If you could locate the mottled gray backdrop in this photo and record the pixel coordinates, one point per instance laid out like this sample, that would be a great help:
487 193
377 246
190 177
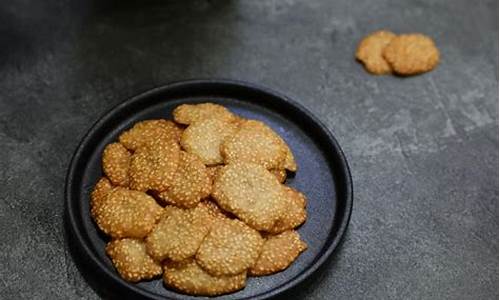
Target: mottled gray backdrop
423 150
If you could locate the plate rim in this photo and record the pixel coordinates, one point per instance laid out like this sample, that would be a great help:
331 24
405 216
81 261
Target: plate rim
69 213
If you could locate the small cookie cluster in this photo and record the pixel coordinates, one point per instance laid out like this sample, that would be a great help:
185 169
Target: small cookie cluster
383 52
200 200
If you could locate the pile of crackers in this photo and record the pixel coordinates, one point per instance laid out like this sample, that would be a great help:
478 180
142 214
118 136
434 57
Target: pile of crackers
383 52
200 199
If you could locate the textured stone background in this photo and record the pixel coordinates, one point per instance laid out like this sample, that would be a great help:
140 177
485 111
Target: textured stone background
423 150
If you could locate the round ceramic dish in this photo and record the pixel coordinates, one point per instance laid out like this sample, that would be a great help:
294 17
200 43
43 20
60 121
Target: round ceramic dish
323 176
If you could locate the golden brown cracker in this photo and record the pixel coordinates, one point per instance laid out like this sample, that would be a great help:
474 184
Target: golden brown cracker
250 192
289 163
168 210
190 184
297 197
257 143
99 194
280 174
145 132
213 209
188 277
153 167
370 50
116 163
127 213
179 234
295 213
410 54
213 170
230 248
212 174
204 138
279 251
238 121
131 260
190 113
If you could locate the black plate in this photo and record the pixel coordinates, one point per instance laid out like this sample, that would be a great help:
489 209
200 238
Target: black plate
323 176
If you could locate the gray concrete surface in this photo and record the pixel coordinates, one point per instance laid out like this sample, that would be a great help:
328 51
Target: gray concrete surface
423 150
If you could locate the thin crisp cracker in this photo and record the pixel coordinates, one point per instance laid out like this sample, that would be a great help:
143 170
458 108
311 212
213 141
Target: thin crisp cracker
295 214
153 167
190 184
145 132
116 163
279 251
250 192
257 143
99 194
370 50
290 164
280 174
131 260
204 138
410 54
230 248
188 277
127 213
190 113
179 234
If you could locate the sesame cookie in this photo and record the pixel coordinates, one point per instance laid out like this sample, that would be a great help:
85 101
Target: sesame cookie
144 132
295 213
212 174
280 174
190 184
213 170
257 143
230 248
127 213
278 252
239 120
289 162
188 277
213 209
179 234
370 49
168 210
99 194
189 113
204 138
131 260
153 166
410 54
116 163
250 192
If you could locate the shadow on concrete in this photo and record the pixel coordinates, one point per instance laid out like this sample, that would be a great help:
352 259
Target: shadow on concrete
142 44
30 29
